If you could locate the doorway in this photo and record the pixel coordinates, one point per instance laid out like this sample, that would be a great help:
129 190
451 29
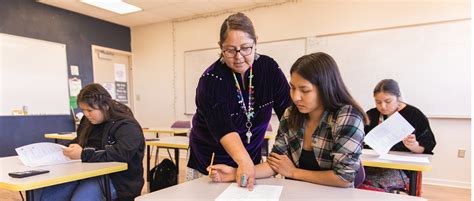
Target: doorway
112 69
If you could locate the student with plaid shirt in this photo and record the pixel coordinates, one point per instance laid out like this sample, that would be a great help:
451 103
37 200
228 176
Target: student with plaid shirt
320 135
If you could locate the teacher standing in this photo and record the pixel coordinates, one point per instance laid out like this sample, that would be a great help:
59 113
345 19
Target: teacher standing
234 99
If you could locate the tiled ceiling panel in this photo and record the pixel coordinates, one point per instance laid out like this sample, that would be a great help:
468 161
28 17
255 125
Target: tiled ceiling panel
158 10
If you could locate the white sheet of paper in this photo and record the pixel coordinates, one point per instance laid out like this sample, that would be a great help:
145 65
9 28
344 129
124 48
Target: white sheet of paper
416 159
43 153
259 193
110 87
74 70
75 86
388 133
120 72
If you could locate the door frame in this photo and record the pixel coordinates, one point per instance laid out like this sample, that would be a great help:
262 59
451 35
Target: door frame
130 69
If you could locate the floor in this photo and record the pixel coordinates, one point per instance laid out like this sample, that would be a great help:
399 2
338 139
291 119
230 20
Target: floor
430 192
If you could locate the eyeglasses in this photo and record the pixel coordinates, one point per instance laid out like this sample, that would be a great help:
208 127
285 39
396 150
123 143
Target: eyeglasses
244 51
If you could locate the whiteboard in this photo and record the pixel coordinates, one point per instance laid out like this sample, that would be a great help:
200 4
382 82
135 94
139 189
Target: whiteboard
284 52
430 62
195 62
33 73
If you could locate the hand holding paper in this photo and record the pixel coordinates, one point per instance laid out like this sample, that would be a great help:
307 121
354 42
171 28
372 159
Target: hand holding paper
388 133
410 142
73 151
43 153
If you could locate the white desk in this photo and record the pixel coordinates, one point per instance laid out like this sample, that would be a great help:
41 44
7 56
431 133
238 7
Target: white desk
370 158
58 136
203 189
72 135
58 174
173 131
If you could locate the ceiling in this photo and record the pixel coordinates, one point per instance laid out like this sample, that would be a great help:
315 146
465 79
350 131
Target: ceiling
159 10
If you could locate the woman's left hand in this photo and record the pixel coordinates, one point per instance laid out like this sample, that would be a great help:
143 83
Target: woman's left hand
73 151
281 164
410 142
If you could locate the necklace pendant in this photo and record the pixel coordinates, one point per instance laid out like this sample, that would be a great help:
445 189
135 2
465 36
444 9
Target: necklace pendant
249 135
251 113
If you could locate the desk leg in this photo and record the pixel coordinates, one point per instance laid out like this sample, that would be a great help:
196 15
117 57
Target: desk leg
413 182
30 195
148 176
176 156
108 195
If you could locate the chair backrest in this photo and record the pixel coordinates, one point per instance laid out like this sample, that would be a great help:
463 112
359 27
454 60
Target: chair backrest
181 124
360 176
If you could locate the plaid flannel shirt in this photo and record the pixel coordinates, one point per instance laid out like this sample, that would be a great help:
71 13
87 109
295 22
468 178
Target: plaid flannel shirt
336 142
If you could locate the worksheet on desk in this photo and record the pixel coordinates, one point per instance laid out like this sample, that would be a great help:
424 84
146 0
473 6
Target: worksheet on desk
388 133
415 159
43 153
259 193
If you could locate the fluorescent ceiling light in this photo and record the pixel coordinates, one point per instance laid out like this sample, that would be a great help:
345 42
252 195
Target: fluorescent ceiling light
116 6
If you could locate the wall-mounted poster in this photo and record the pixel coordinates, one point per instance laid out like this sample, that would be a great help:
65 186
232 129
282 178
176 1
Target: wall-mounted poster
121 92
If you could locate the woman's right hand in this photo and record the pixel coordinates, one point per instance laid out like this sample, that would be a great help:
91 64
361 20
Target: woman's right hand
246 171
233 145
73 152
221 173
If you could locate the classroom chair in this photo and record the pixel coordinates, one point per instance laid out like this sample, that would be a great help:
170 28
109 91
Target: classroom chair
407 187
360 177
181 124
176 124
397 191
418 186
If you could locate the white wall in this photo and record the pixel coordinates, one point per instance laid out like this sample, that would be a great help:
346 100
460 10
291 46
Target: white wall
153 74
158 60
451 135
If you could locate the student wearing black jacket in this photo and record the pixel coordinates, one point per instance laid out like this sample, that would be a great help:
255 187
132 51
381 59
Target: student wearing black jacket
387 98
108 133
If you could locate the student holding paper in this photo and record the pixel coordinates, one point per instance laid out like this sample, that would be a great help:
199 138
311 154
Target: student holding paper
320 136
235 97
109 132
387 97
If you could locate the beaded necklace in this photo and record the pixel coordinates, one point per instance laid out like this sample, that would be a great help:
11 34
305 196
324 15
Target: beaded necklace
250 111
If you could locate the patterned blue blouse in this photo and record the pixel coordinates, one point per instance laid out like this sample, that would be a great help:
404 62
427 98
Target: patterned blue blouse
219 112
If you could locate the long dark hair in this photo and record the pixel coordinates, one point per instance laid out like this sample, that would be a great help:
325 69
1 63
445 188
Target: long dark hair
388 86
321 70
97 97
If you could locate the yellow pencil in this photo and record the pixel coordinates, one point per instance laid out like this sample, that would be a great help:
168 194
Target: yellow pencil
212 159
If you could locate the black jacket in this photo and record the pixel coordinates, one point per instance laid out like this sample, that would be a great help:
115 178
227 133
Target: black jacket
122 141
424 134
